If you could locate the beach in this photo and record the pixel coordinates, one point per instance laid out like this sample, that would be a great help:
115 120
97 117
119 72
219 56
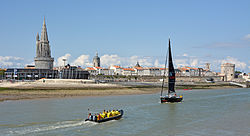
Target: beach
86 88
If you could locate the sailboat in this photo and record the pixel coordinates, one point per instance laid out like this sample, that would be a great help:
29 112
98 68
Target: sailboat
171 96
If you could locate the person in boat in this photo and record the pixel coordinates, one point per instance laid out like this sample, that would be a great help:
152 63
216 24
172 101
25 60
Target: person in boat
113 112
117 112
89 115
104 114
109 114
95 118
175 94
99 117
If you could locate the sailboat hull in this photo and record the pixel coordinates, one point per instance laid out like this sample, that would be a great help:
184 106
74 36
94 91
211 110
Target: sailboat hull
171 100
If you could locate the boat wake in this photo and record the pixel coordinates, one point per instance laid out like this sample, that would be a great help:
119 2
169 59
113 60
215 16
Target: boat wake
45 127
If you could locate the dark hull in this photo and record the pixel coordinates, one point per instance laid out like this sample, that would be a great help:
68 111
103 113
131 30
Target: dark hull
172 99
108 119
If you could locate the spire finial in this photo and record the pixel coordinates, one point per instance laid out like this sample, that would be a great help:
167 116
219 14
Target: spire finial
37 37
96 54
44 35
44 20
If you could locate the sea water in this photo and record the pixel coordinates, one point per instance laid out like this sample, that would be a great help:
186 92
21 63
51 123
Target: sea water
202 112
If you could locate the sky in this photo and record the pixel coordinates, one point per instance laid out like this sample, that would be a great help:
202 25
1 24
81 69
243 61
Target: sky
126 31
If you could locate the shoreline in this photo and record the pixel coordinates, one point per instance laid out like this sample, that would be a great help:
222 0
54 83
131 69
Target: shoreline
37 94
34 90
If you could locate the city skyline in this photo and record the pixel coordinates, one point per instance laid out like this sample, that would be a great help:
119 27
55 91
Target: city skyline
126 32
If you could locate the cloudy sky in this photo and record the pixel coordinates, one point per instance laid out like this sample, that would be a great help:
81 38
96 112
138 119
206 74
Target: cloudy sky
126 31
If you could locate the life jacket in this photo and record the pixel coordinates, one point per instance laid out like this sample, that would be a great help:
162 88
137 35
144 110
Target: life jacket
117 112
113 113
103 115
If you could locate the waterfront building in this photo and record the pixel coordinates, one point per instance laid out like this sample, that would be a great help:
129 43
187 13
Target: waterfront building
30 74
117 69
207 66
92 71
162 70
96 61
43 59
228 70
128 71
139 71
104 71
152 71
137 64
99 71
73 72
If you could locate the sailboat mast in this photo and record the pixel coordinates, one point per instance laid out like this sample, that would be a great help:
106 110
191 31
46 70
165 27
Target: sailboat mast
164 74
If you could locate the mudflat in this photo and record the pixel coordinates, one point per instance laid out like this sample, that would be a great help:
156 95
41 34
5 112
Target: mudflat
75 88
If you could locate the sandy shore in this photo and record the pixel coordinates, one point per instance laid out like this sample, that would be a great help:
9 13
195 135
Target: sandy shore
75 88
33 94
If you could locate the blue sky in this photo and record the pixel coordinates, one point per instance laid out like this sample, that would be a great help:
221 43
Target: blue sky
126 31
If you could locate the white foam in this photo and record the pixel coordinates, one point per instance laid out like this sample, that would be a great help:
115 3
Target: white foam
50 127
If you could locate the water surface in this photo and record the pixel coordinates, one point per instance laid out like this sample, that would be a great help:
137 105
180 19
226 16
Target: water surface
203 112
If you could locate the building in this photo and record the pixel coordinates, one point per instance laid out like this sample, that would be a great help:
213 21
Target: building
164 70
152 71
207 66
30 74
139 71
92 71
73 72
43 59
96 61
228 71
117 69
128 71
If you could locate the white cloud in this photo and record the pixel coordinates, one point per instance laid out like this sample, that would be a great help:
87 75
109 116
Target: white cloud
82 60
247 37
107 60
145 61
11 61
60 61
238 64
181 62
194 62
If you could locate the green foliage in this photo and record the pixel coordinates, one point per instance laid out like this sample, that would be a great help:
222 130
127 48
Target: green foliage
238 72
1 72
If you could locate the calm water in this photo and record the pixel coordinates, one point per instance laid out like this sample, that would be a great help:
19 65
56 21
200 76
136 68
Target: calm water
203 112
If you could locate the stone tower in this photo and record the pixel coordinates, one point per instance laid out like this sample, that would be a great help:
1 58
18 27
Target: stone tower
228 70
96 61
207 66
43 59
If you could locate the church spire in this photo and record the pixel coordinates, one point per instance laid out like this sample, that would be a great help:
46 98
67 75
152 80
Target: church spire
44 35
37 37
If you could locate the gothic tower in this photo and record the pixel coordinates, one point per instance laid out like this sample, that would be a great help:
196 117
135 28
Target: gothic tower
96 61
43 59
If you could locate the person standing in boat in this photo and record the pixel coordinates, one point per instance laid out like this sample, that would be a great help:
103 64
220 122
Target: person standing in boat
89 116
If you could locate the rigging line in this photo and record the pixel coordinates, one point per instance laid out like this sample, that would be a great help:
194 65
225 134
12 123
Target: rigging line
164 75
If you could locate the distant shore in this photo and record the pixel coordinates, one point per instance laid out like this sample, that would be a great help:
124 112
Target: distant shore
35 90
